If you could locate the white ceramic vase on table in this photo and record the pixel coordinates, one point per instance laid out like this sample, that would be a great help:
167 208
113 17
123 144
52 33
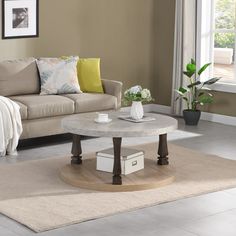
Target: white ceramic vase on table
136 111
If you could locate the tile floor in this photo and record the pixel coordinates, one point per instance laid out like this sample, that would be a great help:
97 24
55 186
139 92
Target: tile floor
211 214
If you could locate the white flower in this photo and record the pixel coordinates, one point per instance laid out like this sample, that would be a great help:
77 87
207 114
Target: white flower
126 92
136 89
145 94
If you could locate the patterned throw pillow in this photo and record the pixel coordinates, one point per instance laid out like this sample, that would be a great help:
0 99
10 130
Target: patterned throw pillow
58 76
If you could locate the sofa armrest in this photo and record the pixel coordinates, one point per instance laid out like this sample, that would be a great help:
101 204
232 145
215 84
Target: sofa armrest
114 88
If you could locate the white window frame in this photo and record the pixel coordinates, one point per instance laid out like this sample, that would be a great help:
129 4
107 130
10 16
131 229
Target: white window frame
205 43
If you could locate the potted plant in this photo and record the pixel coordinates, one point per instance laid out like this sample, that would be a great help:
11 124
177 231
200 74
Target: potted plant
196 93
136 95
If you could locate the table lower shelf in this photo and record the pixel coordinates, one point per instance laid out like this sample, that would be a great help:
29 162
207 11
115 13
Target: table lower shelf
86 176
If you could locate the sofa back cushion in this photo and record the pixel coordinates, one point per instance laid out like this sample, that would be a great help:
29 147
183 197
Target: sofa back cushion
58 75
89 75
18 77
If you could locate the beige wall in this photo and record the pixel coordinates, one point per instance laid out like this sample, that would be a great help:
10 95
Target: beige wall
120 32
134 39
224 104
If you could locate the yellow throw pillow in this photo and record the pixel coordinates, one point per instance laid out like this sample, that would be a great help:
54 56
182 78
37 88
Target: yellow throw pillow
89 75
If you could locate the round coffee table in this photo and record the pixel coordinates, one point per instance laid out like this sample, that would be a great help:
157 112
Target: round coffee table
84 125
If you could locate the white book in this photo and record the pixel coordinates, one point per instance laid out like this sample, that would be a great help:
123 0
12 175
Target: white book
126 153
144 119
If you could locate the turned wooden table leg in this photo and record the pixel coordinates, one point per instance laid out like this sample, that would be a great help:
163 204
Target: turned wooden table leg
117 180
163 150
76 150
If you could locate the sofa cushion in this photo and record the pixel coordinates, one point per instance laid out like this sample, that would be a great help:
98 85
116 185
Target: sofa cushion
46 106
58 76
18 77
23 110
87 102
89 75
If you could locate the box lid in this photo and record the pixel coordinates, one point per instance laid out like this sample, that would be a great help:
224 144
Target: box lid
126 153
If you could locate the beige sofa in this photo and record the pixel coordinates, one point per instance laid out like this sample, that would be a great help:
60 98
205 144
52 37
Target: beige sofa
42 115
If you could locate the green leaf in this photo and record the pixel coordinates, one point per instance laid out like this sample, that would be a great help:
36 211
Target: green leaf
194 84
200 94
193 61
212 81
203 68
186 99
191 67
179 92
209 94
183 90
205 100
206 88
188 73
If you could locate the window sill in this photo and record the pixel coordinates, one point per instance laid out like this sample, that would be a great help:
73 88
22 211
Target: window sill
224 87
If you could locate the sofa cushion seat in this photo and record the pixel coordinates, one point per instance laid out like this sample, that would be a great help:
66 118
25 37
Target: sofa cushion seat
88 102
23 111
45 106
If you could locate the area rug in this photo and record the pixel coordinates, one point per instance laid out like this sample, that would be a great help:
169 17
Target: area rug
33 194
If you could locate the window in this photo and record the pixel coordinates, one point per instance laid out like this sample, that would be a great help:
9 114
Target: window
224 40
217 40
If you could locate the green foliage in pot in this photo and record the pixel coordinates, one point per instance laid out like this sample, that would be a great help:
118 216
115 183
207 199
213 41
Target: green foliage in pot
196 93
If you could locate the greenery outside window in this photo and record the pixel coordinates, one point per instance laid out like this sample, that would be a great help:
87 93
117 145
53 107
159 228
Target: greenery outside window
224 40
217 41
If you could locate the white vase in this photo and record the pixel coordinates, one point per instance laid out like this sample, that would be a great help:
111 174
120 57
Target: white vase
136 111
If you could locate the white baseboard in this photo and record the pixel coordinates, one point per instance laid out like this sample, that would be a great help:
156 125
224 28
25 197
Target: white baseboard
222 119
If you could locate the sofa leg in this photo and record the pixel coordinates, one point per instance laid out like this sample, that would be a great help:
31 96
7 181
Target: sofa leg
76 150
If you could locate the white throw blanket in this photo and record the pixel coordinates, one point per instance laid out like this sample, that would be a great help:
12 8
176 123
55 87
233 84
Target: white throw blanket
10 126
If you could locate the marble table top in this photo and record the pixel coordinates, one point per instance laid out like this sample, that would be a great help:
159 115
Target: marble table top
84 124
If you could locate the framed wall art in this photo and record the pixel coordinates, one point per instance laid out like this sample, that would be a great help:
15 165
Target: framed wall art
20 19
